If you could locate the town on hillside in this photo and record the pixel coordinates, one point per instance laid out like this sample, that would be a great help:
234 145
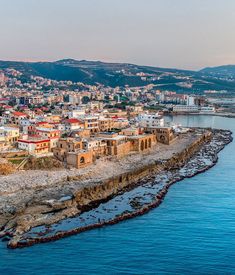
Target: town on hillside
77 124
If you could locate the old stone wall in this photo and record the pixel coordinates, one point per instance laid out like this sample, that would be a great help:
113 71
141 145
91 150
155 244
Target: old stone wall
104 190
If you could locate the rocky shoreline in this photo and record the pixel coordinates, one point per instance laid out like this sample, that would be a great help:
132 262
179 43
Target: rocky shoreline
137 194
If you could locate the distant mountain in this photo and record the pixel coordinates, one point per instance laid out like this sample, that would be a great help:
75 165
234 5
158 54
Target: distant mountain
222 71
124 74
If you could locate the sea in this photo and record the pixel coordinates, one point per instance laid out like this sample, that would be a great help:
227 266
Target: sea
191 232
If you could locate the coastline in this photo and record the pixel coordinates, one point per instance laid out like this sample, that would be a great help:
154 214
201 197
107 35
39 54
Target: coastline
26 194
174 163
228 115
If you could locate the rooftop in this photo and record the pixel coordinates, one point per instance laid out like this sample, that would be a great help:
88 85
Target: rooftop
72 120
19 114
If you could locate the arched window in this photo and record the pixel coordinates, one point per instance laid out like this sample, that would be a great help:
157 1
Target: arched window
142 145
146 144
150 143
162 138
82 160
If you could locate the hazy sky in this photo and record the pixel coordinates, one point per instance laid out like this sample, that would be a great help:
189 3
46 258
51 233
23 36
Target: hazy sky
170 33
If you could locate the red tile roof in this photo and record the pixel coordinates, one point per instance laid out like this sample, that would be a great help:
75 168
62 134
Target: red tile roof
34 140
7 107
19 114
72 120
41 123
4 99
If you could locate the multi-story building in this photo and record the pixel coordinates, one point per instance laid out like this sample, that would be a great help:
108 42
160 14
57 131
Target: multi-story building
76 113
34 100
105 124
186 108
149 120
34 145
65 146
72 124
17 117
91 123
48 133
9 135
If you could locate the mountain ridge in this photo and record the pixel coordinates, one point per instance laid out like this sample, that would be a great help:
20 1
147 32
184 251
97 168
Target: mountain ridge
127 74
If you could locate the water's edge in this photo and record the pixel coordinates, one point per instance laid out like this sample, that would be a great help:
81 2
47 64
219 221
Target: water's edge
208 153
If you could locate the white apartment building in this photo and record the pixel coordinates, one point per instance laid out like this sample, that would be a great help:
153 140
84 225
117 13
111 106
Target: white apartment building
207 109
185 108
149 120
192 108
77 113
190 101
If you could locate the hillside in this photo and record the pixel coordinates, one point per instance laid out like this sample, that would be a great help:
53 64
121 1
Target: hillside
123 74
227 71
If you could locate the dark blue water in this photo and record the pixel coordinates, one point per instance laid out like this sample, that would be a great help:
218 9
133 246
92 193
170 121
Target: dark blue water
192 232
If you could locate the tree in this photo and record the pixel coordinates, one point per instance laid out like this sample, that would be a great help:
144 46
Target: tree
1 110
85 100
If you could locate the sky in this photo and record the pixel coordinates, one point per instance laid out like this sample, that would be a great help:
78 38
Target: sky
188 34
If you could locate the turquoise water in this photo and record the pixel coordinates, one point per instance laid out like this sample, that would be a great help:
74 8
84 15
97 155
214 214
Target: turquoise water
192 232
